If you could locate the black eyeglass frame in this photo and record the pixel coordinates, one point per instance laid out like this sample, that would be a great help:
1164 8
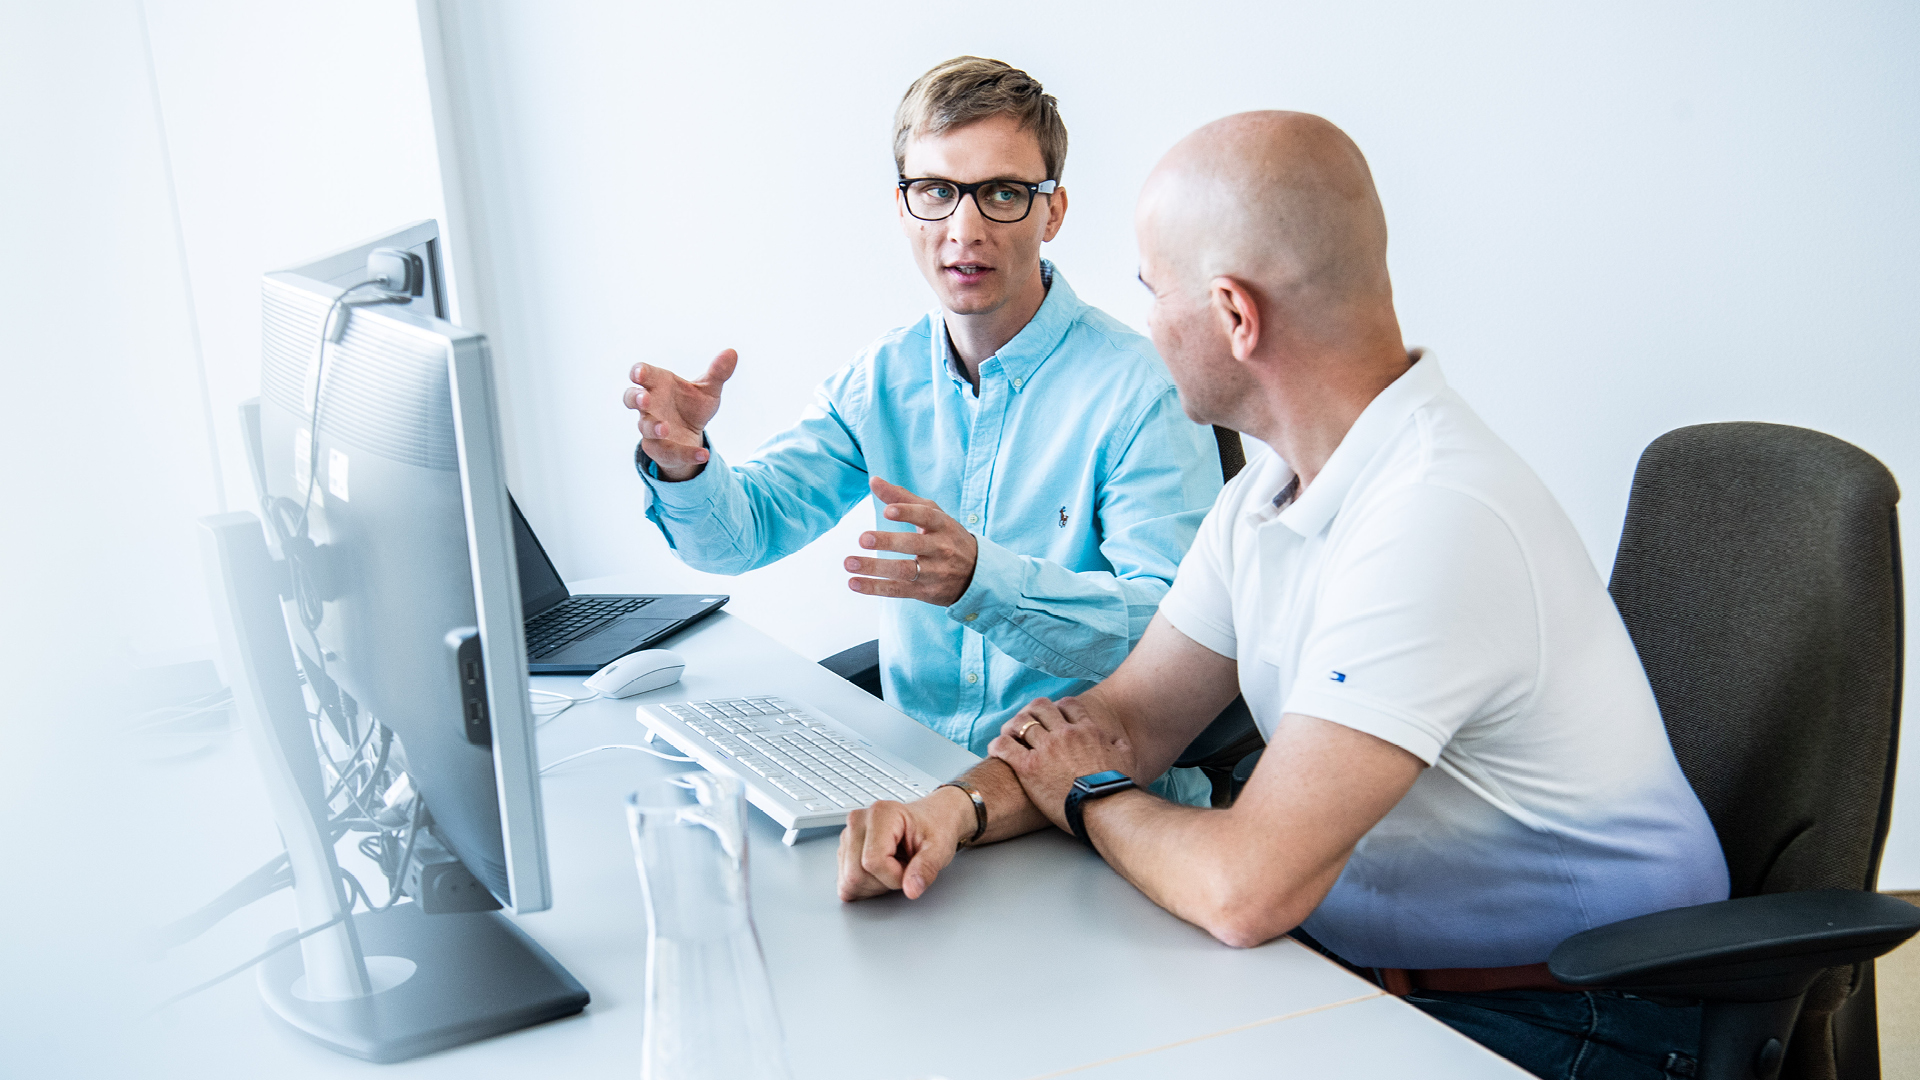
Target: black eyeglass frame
1044 187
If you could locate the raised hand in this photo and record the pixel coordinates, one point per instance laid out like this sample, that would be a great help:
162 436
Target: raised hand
944 552
674 413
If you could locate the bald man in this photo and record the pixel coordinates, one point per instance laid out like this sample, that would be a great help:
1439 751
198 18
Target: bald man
1464 762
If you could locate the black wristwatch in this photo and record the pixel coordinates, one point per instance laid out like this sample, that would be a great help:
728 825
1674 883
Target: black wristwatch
1093 786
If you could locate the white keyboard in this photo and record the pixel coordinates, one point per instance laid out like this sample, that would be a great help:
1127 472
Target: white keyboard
801 767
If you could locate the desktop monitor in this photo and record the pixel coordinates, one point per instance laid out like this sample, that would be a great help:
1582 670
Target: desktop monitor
376 452
409 538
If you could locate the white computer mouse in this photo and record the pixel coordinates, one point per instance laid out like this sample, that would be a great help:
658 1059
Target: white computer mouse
637 673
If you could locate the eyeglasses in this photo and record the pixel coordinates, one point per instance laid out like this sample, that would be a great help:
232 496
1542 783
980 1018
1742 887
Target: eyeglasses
1006 201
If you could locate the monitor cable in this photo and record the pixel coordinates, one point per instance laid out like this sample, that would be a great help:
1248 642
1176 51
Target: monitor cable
231 972
292 534
270 878
397 885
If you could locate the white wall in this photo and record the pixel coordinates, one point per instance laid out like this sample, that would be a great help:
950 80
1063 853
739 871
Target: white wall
110 415
295 129
1609 220
1608 223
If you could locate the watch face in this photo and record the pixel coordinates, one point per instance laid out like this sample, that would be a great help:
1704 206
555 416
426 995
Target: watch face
1099 780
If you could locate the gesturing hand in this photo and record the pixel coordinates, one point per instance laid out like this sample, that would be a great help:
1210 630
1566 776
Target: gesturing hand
903 846
944 552
674 413
1048 744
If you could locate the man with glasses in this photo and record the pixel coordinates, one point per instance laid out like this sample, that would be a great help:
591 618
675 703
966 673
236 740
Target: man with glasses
1036 480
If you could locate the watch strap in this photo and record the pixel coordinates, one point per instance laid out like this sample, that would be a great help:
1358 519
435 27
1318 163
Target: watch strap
1077 797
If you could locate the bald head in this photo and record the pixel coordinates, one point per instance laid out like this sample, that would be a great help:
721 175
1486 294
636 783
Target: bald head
1282 201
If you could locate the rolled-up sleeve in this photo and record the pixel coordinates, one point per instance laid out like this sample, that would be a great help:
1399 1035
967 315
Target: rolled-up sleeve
1081 625
799 484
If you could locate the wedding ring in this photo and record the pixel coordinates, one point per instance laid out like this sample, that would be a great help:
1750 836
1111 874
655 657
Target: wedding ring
916 572
1021 735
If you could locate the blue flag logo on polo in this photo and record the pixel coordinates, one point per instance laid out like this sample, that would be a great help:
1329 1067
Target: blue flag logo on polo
1337 676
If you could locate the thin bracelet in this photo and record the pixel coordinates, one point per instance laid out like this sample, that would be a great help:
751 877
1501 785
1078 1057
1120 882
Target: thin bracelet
979 812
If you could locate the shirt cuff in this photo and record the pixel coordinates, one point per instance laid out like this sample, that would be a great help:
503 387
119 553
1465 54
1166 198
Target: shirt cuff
994 592
1207 633
694 494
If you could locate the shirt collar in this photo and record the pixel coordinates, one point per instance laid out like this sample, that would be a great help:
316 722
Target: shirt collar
1383 416
1036 341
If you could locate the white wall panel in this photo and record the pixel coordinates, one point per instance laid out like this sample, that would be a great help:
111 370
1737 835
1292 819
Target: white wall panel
1608 220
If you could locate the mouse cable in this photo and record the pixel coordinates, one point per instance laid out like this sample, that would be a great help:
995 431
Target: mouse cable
545 769
230 973
562 697
570 703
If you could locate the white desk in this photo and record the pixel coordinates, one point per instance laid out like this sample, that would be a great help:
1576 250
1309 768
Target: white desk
1026 959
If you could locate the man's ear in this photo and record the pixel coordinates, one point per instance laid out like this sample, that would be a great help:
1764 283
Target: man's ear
1056 213
1238 314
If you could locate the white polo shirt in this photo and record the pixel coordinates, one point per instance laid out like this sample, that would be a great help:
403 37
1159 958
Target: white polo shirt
1428 590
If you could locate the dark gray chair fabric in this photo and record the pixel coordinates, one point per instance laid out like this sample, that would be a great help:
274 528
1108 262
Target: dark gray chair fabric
1233 456
1759 577
859 665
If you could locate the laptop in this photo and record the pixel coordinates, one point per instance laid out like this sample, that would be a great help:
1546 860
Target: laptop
578 635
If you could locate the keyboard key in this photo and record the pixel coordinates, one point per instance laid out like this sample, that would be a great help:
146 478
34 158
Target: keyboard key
872 761
785 749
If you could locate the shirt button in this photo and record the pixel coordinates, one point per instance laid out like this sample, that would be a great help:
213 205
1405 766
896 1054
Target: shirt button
972 615
973 519
972 678
1016 384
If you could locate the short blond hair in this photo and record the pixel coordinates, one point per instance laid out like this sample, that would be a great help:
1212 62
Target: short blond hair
968 88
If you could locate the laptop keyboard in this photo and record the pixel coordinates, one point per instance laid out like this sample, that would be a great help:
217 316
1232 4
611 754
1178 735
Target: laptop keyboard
787 748
556 626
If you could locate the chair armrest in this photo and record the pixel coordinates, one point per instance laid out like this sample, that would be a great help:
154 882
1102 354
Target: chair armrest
1231 736
859 665
1756 948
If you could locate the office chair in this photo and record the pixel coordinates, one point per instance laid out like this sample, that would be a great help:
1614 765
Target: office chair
1215 751
1759 577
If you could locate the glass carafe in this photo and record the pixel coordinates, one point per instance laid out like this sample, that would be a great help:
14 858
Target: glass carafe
710 1011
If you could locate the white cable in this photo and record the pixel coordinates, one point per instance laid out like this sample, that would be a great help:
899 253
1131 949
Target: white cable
545 769
570 703
563 697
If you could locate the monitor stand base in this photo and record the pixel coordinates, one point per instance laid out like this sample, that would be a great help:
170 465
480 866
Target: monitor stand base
439 981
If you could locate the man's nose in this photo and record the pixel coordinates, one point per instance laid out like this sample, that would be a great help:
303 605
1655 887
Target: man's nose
968 225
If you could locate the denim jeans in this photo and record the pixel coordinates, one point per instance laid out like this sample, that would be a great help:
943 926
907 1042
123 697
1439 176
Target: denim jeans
1591 1035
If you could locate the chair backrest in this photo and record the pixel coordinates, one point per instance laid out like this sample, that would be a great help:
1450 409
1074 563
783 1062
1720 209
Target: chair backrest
1233 457
1759 576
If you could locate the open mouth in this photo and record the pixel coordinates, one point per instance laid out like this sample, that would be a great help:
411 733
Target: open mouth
968 270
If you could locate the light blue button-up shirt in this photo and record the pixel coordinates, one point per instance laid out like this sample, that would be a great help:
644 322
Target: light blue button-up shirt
1074 467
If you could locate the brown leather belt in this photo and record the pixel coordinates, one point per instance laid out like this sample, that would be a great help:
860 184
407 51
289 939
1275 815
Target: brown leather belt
1401 981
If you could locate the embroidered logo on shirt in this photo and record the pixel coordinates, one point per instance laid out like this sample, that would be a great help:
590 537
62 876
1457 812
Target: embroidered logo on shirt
1063 517
1337 676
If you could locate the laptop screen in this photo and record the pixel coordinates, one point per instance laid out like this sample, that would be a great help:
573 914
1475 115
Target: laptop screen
540 584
